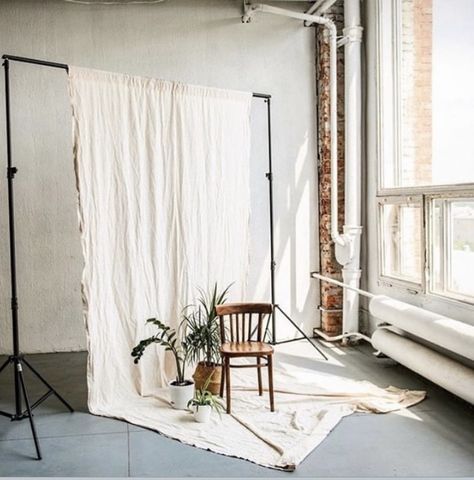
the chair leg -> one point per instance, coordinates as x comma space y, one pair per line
222, 377
270, 382
259, 373
227, 383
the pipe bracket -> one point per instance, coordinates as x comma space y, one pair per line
353, 33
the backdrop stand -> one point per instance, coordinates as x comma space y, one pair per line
276, 307
17, 360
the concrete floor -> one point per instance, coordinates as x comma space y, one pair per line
434, 438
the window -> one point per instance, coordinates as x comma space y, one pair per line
426, 145
401, 226
452, 247
433, 74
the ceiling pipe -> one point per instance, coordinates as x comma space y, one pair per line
252, 8
315, 6
319, 8
324, 7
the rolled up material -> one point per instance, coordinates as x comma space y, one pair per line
453, 335
449, 374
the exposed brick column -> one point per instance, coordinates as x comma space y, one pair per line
416, 92
331, 295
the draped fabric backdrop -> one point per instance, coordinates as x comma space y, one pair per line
162, 171
163, 179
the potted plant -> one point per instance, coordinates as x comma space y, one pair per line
204, 339
204, 402
181, 389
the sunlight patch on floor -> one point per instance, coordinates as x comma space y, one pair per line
407, 414
303, 349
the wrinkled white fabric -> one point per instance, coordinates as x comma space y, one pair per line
162, 172
308, 406
164, 202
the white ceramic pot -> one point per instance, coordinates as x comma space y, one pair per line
181, 394
202, 414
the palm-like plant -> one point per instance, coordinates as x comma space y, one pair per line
203, 328
173, 341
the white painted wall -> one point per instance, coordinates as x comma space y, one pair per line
200, 42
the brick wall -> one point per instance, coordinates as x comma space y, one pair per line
416, 137
331, 295
416, 92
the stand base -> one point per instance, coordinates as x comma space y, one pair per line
21, 393
273, 341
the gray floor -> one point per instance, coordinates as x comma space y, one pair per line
434, 438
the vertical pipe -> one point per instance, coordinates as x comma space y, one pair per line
352, 112
335, 235
11, 224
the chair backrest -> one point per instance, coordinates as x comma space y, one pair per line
245, 321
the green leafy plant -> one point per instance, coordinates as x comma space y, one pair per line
173, 341
203, 328
203, 397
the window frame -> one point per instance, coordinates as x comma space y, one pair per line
414, 287
388, 143
429, 280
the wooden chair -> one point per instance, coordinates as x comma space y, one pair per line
241, 331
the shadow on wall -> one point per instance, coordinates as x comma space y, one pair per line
139, 41
295, 230
50, 260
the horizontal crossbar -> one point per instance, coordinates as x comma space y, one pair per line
261, 365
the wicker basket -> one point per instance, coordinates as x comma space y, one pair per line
203, 372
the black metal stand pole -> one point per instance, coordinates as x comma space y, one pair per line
17, 359
276, 307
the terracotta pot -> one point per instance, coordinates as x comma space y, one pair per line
202, 373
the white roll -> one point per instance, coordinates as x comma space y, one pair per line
453, 335
449, 374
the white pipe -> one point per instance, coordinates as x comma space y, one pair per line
261, 7
448, 373
450, 334
315, 6
351, 272
335, 235
364, 293
319, 8
358, 291
324, 7
352, 112
335, 338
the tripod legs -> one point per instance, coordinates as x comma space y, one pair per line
51, 389
4, 365
28, 409
304, 336
21, 393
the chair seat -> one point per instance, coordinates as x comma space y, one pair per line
246, 349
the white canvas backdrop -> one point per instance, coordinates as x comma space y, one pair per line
162, 173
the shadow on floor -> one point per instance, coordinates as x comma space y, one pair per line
434, 438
